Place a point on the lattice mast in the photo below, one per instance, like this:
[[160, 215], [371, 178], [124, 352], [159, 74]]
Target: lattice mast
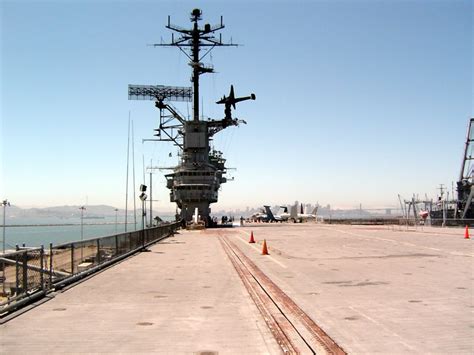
[[196, 38]]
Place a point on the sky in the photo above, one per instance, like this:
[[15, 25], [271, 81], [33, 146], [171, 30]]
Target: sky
[[357, 101]]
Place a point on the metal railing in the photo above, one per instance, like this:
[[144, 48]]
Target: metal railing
[[402, 221], [447, 222], [30, 273], [362, 221]]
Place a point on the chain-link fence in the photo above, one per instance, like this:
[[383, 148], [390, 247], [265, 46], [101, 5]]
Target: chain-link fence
[[31, 272], [22, 272]]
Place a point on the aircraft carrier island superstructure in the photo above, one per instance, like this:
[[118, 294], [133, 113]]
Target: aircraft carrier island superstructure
[[195, 181]]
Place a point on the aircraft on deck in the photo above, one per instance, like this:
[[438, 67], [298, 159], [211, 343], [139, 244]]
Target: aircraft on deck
[[259, 216], [301, 216], [283, 217]]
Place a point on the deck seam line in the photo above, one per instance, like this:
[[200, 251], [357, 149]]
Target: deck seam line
[[280, 336], [319, 335]]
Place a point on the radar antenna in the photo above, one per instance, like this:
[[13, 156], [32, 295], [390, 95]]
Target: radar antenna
[[196, 38]]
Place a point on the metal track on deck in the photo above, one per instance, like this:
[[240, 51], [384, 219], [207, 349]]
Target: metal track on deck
[[292, 328]]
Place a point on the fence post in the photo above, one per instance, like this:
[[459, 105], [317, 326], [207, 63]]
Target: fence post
[[72, 258], [98, 250], [17, 270], [25, 272], [42, 268], [116, 245], [50, 265]]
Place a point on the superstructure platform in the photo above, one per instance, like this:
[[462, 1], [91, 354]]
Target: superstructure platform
[[323, 289]]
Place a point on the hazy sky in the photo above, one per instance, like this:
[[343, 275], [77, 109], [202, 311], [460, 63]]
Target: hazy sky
[[357, 101]]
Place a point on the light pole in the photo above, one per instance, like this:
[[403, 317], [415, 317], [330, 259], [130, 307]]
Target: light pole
[[116, 211], [5, 203], [151, 200], [143, 198], [82, 208]]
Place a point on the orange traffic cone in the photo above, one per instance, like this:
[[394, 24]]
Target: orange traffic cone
[[466, 233], [265, 249], [251, 238]]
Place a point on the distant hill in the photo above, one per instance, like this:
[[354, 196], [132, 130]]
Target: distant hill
[[63, 211]]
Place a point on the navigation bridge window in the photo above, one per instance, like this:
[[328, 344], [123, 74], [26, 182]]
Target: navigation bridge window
[[195, 173], [188, 187]]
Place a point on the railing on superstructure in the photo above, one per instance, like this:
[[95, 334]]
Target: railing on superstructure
[[30, 273]]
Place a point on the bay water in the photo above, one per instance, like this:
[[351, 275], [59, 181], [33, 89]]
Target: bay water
[[42, 231]]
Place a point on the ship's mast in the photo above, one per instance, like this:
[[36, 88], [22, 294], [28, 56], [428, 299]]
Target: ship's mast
[[195, 65], [196, 38]]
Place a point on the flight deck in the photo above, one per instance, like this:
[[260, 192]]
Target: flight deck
[[322, 288]]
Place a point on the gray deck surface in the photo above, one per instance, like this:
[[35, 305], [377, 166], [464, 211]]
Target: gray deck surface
[[372, 289], [182, 297]]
